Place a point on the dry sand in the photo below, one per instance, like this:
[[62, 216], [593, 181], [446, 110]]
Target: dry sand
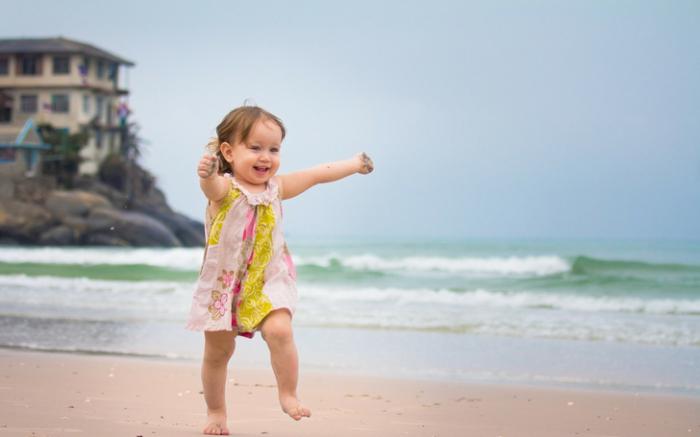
[[52, 394]]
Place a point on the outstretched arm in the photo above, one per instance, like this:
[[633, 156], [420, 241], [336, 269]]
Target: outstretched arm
[[293, 184], [212, 183]]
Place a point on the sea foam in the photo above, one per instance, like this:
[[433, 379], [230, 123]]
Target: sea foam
[[191, 258], [513, 265]]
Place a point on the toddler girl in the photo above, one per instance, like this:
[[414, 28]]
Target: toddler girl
[[247, 279]]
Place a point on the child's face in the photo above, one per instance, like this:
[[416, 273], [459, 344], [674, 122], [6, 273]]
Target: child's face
[[256, 160]]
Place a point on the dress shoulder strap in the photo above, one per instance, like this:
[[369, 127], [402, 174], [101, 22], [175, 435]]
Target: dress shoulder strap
[[217, 222]]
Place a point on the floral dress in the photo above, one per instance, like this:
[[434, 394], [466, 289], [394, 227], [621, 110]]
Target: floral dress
[[247, 270]]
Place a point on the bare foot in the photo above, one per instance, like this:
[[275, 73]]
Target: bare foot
[[292, 406], [216, 424]]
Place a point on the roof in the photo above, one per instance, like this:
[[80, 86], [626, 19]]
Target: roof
[[27, 137], [57, 45]]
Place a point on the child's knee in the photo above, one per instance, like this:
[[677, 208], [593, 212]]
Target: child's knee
[[218, 348], [218, 354], [277, 327]]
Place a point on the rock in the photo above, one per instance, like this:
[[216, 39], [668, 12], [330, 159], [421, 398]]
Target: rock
[[136, 228], [7, 189], [77, 224], [94, 213], [118, 199], [154, 199], [58, 236], [189, 232], [74, 203], [32, 190], [23, 222], [7, 241], [99, 239]]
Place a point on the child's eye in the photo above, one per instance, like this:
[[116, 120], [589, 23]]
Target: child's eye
[[274, 150], [255, 147]]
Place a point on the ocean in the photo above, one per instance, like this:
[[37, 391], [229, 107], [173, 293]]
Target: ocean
[[602, 314]]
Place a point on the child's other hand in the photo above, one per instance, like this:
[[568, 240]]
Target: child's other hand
[[207, 166], [366, 164]]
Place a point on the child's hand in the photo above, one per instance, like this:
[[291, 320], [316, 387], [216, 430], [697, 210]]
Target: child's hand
[[366, 164], [207, 166]]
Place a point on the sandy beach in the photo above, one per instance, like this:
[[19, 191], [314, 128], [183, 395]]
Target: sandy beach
[[57, 394]]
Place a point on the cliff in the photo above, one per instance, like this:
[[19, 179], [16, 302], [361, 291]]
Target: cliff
[[110, 209]]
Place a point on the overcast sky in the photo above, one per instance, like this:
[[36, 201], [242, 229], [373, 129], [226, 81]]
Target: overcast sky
[[485, 119]]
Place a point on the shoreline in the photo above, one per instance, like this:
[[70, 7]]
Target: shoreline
[[471, 359], [608, 388], [60, 394]]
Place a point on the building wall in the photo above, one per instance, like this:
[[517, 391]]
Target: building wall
[[47, 77], [13, 169], [101, 94]]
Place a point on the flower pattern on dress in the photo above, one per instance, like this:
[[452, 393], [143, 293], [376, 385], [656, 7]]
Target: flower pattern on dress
[[226, 279], [217, 309], [238, 297]]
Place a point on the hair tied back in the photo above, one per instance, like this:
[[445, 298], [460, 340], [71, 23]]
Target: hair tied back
[[213, 145]]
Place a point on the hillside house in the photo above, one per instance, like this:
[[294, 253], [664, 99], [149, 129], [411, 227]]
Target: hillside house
[[68, 84]]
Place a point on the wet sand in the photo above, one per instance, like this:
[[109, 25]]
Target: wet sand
[[57, 394]]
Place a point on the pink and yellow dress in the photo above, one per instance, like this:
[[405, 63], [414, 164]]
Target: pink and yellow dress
[[247, 270]]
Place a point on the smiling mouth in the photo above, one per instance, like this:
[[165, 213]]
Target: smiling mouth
[[261, 169]]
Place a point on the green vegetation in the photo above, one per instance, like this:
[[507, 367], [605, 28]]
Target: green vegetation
[[63, 159]]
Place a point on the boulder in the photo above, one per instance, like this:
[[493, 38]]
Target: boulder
[[74, 203], [94, 213], [117, 198], [189, 232], [135, 228], [100, 239], [78, 224], [23, 222], [7, 241], [7, 189], [32, 190], [58, 236]]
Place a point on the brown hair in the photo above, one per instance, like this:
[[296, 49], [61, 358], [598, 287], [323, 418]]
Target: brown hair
[[236, 126]]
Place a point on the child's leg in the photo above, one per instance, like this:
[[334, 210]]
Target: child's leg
[[218, 349], [277, 332]]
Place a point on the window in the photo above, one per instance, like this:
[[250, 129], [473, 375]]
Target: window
[[28, 103], [86, 103], [6, 104], [4, 66], [98, 138], [59, 103], [29, 65], [85, 68], [114, 72], [61, 65], [98, 106], [5, 115], [100, 69], [110, 112]]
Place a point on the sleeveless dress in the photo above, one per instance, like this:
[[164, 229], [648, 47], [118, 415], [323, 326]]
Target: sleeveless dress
[[247, 270]]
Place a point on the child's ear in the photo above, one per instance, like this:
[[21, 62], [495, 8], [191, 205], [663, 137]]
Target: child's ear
[[226, 150]]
